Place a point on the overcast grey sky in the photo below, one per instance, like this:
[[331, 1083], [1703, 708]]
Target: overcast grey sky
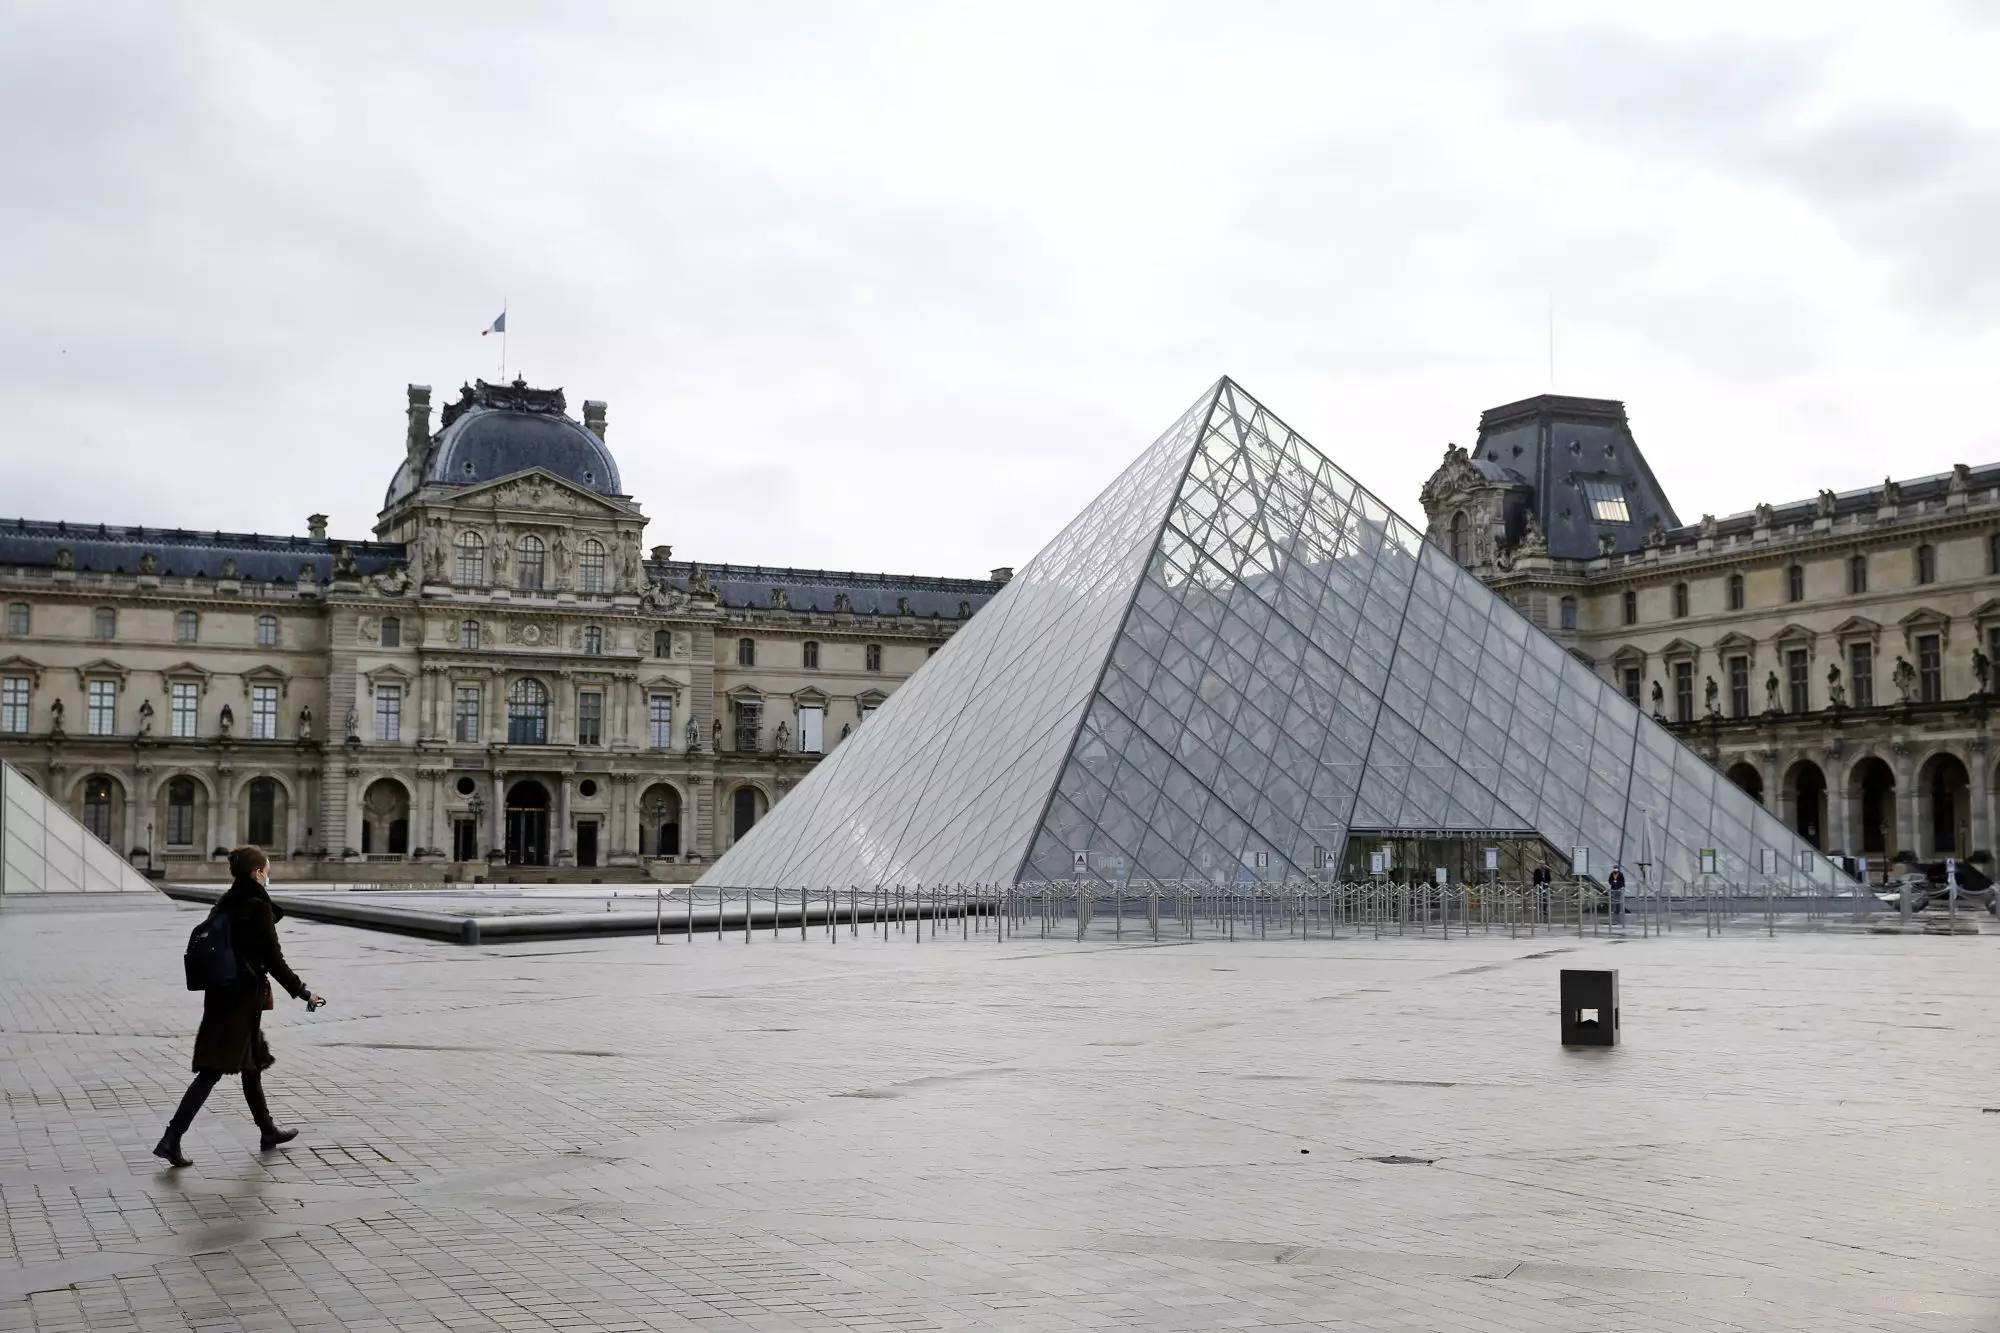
[[901, 286]]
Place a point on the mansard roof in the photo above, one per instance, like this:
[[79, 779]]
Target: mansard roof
[[99, 548], [1556, 444], [750, 586], [1917, 493]]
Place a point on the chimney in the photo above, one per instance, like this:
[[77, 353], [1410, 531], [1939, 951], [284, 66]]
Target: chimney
[[316, 527], [1003, 574], [593, 416], [418, 441]]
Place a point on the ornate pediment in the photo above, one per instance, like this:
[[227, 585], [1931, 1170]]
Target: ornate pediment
[[1735, 642], [1680, 648], [102, 668], [1629, 655], [541, 491], [1794, 634], [1455, 476], [21, 666]]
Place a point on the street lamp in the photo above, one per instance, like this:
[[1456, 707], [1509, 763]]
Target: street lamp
[[477, 807]]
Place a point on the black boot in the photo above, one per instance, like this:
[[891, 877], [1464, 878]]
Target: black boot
[[169, 1148], [273, 1136], [253, 1093]]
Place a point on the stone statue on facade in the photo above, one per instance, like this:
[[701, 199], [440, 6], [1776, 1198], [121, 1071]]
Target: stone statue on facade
[[1823, 508], [146, 719], [308, 573], [149, 563], [561, 552], [903, 607], [1892, 494], [628, 564], [842, 604], [965, 610], [781, 739], [56, 718], [228, 719], [693, 737], [434, 556], [1905, 677], [1659, 701], [343, 563], [715, 735], [1708, 527], [1982, 671], [1762, 515], [306, 723], [1771, 693], [229, 569], [1836, 694], [780, 600], [1711, 695], [65, 558], [394, 582], [1656, 535], [698, 584], [655, 597], [353, 725]]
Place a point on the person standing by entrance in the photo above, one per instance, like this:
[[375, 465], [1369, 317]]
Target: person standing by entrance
[[231, 1038], [1616, 883]]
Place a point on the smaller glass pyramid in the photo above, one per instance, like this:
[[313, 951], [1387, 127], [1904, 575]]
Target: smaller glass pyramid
[[44, 849], [1231, 662]]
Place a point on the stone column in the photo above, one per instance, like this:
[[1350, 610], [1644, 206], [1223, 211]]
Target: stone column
[[1906, 800], [295, 815], [222, 819], [354, 816], [1980, 767], [561, 843], [635, 835], [495, 833]]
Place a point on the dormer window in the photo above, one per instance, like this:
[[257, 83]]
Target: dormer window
[[1607, 502]]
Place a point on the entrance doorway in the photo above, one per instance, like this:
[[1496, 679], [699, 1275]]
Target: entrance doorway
[[527, 824], [1876, 786], [586, 842], [748, 806], [1809, 802], [465, 840]]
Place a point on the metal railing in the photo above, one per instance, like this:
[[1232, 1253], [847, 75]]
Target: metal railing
[[1175, 910]]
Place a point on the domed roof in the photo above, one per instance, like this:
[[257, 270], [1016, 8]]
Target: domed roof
[[495, 430]]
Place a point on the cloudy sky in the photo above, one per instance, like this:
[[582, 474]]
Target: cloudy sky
[[901, 286]]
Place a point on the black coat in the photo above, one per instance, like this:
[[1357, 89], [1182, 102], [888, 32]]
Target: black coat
[[231, 1039]]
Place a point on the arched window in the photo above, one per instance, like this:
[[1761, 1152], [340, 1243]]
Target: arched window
[[1458, 538], [593, 640], [809, 655], [97, 797], [1631, 600], [529, 551], [187, 627], [1680, 599], [104, 623], [468, 635], [260, 829], [1735, 592], [1927, 563], [392, 632], [1567, 610], [527, 713], [590, 567], [471, 559], [874, 653], [1795, 583], [1857, 574], [267, 631], [663, 643], [181, 798], [746, 652]]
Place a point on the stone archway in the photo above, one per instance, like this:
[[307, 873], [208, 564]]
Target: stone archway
[[1871, 785], [1944, 807], [527, 824], [1745, 775], [747, 805], [100, 804], [385, 818], [660, 813], [264, 807], [1805, 792]]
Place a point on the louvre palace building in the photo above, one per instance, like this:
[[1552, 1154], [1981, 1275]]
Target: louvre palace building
[[1833, 655], [505, 671]]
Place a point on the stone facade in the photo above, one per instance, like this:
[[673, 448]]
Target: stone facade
[[505, 672], [1832, 655]]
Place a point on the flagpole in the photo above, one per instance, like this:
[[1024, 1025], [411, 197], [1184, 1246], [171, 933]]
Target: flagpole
[[503, 340]]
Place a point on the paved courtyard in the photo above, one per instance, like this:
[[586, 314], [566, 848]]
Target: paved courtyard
[[606, 1134]]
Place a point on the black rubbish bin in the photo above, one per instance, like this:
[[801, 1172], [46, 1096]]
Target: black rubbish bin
[[1589, 1007]]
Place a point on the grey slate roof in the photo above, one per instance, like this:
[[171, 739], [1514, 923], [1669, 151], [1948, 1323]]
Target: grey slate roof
[[496, 430], [1553, 444], [749, 586], [98, 548]]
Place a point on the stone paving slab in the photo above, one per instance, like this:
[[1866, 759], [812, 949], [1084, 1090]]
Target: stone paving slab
[[877, 1134]]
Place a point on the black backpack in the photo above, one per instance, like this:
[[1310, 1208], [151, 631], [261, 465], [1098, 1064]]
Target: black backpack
[[211, 954]]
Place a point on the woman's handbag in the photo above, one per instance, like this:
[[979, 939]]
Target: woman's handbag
[[269, 1001]]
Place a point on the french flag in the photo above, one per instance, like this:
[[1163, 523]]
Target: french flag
[[497, 326]]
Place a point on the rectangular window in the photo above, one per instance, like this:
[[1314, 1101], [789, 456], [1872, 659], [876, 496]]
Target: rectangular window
[[589, 718], [1795, 583], [1739, 686], [874, 657], [104, 623], [812, 730], [14, 703], [1861, 674], [468, 635], [465, 715], [660, 721], [184, 709], [392, 633], [263, 712], [103, 707], [1631, 600], [1633, 680], [1930, 669], [17, 617], [746, 652], [388, 712], [1799, 684], [1680, 599], [1683, 691], [1607, 501]]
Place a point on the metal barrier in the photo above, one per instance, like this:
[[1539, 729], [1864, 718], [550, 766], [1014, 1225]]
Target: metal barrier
[[1175, 910]]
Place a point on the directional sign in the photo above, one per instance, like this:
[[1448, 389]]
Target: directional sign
[[1440, 876], [1492, 858], [1263, 860], [1579, 861], [1378, 863], [1767, 860], [1708, 861]]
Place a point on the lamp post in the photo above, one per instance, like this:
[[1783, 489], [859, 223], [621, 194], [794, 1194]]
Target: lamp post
[[478, 807]]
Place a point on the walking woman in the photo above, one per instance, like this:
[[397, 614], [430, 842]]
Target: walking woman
[[231, 1040]]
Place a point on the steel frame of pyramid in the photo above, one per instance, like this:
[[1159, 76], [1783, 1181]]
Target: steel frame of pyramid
[[1232, 660], [45, 849]]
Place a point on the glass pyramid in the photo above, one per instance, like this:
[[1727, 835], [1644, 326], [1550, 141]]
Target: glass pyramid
[[44, 849], [1231, 662]]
